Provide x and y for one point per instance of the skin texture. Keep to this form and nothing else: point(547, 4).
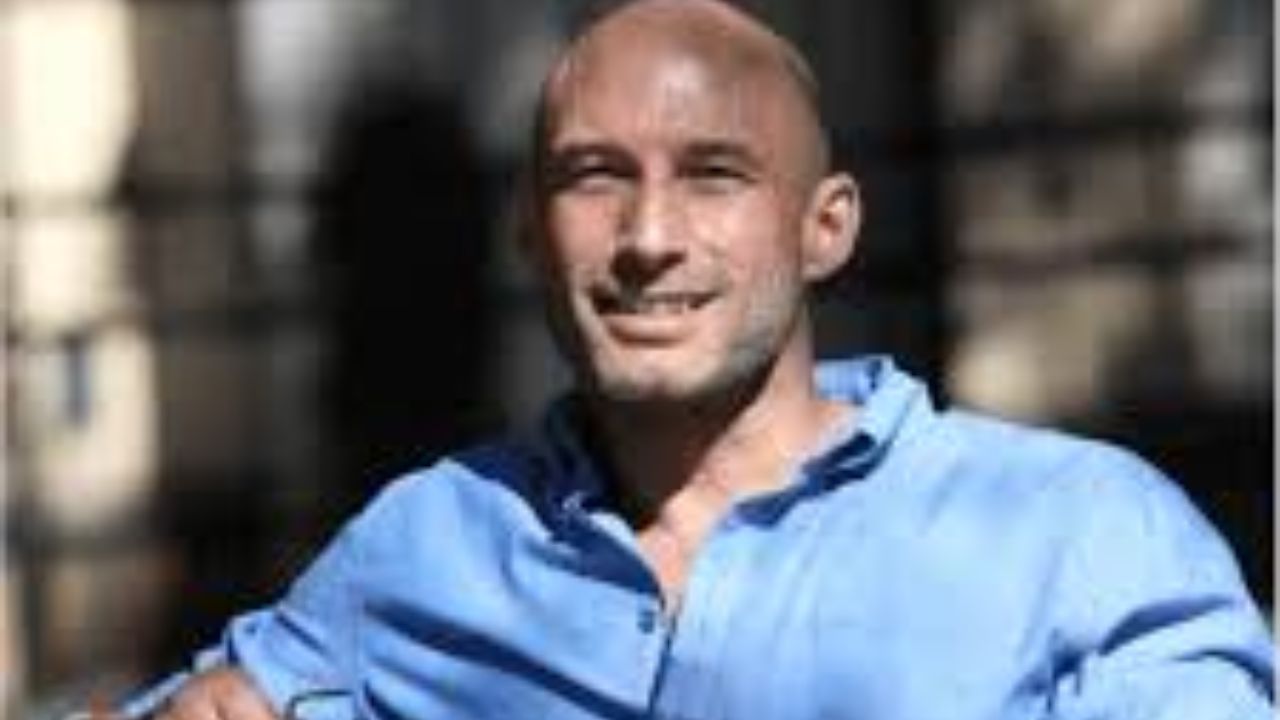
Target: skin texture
point(681, 208)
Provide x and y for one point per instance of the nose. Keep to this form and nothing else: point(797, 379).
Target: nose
point(651, 237)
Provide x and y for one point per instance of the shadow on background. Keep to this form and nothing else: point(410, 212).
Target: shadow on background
point(403, 234)
point(401, 242)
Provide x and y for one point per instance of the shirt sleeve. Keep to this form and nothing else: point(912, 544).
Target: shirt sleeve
point(1156, 622)
point(299, 652)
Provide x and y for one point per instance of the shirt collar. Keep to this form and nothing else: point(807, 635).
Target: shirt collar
point(572, 479)
point(885, 398)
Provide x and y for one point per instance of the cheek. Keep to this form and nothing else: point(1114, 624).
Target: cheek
point(754, 241)
point(579, 237)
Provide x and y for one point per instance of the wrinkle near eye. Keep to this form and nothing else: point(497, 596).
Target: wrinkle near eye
point(587, 166)
point(717, 167)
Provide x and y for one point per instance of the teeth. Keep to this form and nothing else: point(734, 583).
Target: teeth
point(661, 304)
point(655, 304)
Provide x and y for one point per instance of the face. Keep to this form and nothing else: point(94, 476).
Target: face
point(674, 205)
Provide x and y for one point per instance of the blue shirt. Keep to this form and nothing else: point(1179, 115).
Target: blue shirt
point(925, 565)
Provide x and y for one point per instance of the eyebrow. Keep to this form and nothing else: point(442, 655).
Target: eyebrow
point(703, 150)
point(562, 158)
point(583, 149)
point(696, 150)
point(558, 163)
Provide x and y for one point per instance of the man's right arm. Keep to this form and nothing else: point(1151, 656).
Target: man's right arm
point(300, 647)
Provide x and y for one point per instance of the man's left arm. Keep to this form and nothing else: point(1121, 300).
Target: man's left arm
point(1155, 618)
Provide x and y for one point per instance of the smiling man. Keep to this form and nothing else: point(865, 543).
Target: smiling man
point(711, 525)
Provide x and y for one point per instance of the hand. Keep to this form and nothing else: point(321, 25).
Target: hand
point(221, 693)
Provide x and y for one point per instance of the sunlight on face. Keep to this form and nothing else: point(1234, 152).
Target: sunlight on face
point(675, 187)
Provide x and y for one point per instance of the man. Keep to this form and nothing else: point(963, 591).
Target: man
point(711, 527)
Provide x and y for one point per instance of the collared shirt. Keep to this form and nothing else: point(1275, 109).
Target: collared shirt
point(924, 565)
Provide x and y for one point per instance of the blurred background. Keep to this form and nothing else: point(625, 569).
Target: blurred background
point(256, 259)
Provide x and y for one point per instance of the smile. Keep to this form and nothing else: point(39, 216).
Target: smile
point(652, 304)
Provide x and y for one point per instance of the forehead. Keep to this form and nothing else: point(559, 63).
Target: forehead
point(649, 86)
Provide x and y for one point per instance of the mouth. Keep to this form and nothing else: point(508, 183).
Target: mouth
point(650, 319)
point(651, 304)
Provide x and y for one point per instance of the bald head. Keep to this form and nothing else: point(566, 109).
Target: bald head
point(730, 45)
point(683, 204)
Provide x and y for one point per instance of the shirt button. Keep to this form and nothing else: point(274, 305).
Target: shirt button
point(649, 619)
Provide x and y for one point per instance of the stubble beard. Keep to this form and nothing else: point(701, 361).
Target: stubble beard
point(771, 323)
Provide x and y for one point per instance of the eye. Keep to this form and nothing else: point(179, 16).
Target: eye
point(717, 176)
point(716, 170)
point(718, 167)
point(594, 175)
point(586, 172)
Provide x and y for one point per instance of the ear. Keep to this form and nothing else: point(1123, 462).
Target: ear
point(831, 226)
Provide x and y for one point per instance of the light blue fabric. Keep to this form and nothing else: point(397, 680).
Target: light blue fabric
point(926, 566)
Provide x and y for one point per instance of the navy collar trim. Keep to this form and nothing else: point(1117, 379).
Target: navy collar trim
point(884, 398)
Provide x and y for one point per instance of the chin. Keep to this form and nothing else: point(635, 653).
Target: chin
point(674, 376)
point(640, 382)
point(685, 384)
point(644, 389)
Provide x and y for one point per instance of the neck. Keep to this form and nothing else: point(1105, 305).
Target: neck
point(699, 456)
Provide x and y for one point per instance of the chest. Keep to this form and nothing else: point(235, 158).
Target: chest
point(822, 617)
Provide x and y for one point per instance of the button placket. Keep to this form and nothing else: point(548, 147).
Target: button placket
point(649, 618)
point(695, 631)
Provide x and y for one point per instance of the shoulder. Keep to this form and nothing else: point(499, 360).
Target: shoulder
point(1005, 475)
point(1117, 509)
point(487, 484)
point(1113, 545)
point(1006, 452)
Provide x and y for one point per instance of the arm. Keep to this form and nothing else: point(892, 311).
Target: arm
point(1156, 623)
point(267, 659)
